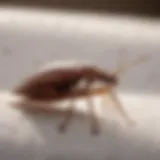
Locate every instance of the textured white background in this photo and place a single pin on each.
(30, 39)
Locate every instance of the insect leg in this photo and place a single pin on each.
(93, 118)
(95, 127)
(120, 108)
(67, 119)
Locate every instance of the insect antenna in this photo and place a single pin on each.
(123, 68)
(112, 94)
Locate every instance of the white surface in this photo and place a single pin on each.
(30, 39)
(29, 136)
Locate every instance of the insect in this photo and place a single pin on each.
(63, 82)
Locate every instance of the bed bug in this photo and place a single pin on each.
(63, 82)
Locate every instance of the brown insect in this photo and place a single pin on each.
(64, 82)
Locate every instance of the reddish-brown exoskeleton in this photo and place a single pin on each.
(60, 83)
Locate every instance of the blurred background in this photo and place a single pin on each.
(137, 7)
(34, 32)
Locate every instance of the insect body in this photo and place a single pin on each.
(55, 83)
(63, 82)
